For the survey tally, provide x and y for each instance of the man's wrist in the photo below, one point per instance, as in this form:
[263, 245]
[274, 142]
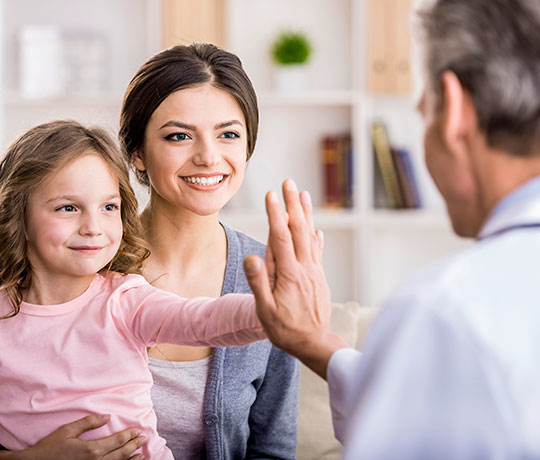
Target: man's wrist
[316, 353]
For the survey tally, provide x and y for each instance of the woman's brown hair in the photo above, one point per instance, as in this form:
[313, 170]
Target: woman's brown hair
[177, 68]
[30, 160]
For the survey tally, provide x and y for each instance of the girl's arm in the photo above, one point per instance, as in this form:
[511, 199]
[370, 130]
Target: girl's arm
[157, 316]
[63, 444]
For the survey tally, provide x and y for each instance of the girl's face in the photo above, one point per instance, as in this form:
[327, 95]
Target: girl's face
[73, 224]
[195, 149]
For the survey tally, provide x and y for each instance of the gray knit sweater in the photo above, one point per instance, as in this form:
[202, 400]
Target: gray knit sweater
[251, 396]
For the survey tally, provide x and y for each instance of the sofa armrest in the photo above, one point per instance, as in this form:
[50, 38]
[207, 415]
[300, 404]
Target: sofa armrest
[316, 439]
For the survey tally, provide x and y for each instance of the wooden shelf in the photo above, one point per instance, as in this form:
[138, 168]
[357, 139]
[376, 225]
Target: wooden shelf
[412, 218]
[308, 98]
[13, 99]
[339, 219]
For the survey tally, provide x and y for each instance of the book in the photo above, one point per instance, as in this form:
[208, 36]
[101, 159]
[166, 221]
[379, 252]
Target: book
[385, 162]
[406, 178]
[330, 162]
[347, 171]
[337, 168]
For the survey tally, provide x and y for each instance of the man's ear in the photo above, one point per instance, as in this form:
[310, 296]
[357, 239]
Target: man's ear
[459, 118]
[137, 161]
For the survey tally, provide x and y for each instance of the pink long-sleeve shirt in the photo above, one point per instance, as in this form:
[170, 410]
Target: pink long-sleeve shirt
[88, 356]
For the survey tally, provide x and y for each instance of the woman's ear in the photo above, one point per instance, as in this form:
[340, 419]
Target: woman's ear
[137, 161]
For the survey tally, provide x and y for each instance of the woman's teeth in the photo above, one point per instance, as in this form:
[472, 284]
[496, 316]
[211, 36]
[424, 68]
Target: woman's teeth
[204, 180]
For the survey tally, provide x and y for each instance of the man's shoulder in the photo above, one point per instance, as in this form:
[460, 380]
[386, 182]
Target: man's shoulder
[475, 281]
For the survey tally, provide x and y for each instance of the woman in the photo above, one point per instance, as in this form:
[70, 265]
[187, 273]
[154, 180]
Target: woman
[189, 125]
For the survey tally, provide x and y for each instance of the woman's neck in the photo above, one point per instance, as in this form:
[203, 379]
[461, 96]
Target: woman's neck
[186, 249]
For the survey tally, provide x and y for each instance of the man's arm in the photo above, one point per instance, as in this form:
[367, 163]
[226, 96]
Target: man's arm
[426, 388]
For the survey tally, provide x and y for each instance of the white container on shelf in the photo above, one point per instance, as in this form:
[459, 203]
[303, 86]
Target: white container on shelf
[290, 78]
[40, 61]
[86, 62]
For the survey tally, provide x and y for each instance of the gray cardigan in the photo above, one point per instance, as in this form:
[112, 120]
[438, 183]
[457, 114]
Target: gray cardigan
[251, 398]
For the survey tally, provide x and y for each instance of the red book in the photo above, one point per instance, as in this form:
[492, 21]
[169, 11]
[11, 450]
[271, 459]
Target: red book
[331, 171]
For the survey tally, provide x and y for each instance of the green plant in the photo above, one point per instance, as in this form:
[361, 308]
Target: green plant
[291, 48]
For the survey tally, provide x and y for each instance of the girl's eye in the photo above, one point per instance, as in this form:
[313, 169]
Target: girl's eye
[111, 207]
[230, 135]
[177, 137]
[66, 208]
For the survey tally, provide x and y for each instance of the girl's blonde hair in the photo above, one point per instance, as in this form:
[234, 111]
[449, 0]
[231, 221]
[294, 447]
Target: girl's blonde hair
[28, 162]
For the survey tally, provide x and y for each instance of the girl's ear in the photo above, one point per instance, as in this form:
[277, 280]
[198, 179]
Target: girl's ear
[137, 161]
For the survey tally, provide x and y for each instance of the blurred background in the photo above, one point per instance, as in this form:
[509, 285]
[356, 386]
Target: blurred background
[337, 91]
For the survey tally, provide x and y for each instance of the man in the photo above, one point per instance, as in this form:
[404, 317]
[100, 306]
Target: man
[450, 368]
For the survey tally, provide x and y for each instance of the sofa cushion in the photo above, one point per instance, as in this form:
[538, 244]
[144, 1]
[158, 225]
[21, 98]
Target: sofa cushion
[316, 439]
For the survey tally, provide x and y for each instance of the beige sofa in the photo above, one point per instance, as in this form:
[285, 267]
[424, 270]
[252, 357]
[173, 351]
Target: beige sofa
[315, 432]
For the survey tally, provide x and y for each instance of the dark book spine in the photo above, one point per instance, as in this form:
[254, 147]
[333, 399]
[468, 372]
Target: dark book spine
[407, 180]
[330, 166]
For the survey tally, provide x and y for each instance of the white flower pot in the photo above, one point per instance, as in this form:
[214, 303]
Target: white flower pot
[291, 77]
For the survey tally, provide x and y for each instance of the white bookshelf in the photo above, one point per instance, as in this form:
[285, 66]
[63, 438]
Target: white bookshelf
[130, 29]
[368, 251]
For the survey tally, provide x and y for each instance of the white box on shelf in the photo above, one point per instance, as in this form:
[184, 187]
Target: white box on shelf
[85, 59]
[40, 61]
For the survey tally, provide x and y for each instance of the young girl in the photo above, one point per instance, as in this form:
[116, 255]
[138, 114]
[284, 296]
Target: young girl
[190, 115]
[76, 318]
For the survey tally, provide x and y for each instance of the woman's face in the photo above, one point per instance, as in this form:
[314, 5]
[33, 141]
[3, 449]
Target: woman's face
[195, 149]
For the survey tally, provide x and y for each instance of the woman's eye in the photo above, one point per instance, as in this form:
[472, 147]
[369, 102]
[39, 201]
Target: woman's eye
[230, 135]
[111, 207]
[66, 208]
[177, 137]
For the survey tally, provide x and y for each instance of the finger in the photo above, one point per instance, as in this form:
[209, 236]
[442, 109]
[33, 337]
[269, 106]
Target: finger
[270, 266]
[320, 239]
[297, 221]
[119, 445]
[307, 206]
[90, 422]
[257, 277]
[279, 235]
[125, 450]
[315, 249]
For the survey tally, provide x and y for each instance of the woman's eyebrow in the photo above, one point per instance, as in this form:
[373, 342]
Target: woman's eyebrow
[228, 123]
[179, 124]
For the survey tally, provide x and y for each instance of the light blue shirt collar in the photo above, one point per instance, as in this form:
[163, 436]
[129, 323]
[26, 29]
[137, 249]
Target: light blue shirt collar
[519, 209]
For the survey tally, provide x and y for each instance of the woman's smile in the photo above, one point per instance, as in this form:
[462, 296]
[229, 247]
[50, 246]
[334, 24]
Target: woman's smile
[205, 182]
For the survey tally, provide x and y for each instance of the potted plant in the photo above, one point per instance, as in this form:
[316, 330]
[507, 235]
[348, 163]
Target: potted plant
[290, 53]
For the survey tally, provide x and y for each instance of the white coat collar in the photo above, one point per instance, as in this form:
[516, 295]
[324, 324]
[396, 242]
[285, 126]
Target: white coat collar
[519, 209]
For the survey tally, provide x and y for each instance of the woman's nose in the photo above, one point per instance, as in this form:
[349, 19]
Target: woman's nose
[206, 154]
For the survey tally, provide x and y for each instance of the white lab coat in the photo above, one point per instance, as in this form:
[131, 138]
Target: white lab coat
[451, 367]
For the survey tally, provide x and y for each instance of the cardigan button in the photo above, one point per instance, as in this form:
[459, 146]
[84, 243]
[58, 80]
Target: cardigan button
[211, 419]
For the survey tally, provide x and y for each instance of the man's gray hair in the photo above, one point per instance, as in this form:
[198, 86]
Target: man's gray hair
[493, 47]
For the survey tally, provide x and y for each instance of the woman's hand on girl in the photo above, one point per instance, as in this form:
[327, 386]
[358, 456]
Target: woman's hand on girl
[64, 444]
